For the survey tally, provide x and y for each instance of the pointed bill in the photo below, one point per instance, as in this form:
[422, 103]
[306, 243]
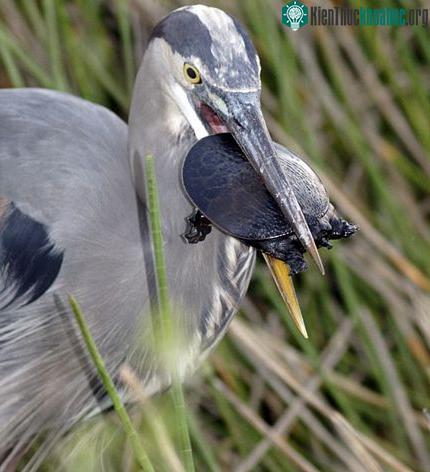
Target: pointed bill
[303, 232]
[250, 132]
[281, 273]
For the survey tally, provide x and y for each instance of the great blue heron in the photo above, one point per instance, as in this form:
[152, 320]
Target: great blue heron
[73, 220]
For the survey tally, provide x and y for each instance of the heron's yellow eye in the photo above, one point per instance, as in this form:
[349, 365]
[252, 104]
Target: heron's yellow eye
[192, 74]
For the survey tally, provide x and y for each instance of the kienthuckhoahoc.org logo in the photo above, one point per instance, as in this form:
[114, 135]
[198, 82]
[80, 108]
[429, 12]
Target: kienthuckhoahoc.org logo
[296, 14]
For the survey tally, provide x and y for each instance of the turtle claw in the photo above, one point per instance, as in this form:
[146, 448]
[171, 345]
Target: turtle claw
[198, 227]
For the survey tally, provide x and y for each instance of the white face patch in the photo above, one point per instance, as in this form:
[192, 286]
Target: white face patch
[224, 70]
[169, 66]
[187, 109]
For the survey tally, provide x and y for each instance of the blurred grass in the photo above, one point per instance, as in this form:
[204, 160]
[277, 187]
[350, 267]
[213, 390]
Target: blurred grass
[115, 397]
[355, 101]
[166, 332]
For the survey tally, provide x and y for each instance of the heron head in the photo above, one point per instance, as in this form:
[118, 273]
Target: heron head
[208, 65]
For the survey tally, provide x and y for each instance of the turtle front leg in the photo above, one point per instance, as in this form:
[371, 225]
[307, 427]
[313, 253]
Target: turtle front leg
[198, 227]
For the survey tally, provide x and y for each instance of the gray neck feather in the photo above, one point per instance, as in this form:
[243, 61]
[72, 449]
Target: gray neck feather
[206, 280]
[158, 127]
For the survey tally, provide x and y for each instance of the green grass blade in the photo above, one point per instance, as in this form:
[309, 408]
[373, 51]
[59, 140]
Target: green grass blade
[58, 71]
[164, 310]
[132, 434]
[11, 67]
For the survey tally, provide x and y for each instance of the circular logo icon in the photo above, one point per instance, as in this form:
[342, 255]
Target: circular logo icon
[295, 15]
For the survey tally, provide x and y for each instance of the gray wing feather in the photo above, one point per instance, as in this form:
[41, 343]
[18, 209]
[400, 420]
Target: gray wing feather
[63, 161]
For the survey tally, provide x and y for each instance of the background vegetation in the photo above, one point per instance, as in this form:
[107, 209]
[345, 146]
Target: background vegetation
[355, 101]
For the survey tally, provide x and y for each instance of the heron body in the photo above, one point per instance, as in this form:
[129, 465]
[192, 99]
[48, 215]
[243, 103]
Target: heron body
[73, 221]
[84, 196]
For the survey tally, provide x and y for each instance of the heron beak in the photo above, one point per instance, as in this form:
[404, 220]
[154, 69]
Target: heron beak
[246, 123]
[281, 274]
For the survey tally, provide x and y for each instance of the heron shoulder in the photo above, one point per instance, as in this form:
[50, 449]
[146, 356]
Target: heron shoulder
[56, 148]
[28, 110]
[64, 162]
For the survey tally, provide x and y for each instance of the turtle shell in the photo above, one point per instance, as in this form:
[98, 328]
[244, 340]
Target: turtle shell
[224, 186]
